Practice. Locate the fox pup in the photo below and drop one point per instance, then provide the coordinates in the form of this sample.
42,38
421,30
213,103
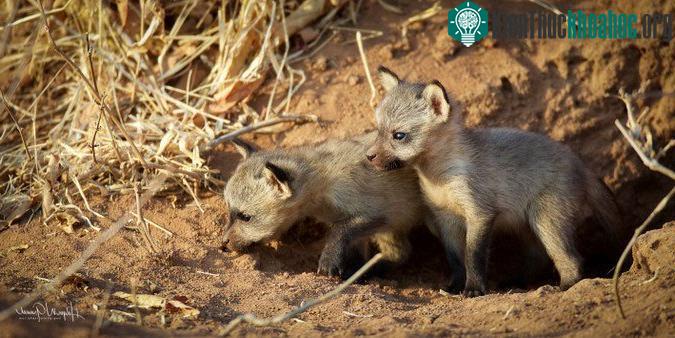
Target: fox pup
479,180
332,183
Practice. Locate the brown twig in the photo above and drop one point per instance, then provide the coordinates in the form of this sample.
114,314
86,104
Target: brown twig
92,71
651,163
100,314
140,221
373,91
10,110
253,320
259,125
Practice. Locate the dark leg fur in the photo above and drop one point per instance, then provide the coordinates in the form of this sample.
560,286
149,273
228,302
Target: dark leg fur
477,244
334,258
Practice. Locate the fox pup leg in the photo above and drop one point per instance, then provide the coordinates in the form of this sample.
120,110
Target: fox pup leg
478,232
451,230
333,261
553,224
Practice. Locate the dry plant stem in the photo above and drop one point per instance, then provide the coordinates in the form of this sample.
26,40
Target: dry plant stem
92,72
92,87
373,92
155,185
7,34
140,222
617,270
259,125
253,320
159,227
101,312
16,123
651,163
139,318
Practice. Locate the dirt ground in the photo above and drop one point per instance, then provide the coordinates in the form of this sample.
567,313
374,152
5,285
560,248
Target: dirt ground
555,87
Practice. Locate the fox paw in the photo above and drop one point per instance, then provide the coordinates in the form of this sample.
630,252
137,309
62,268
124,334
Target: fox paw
455,286
472,290
331,265
472,293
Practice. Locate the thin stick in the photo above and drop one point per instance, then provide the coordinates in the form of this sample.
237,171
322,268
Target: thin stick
373,91
259,125
649,162
617,270
159,227
155,185
253,320
140,221
84,198
101,312
16,123
92,71
139,318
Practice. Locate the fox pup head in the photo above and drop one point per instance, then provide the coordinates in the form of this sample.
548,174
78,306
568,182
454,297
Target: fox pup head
261,198
407,115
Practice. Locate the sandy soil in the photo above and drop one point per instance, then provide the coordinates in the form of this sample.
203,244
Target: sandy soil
553,87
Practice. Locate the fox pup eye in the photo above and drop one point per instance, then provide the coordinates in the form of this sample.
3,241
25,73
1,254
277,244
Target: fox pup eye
243,217
399,136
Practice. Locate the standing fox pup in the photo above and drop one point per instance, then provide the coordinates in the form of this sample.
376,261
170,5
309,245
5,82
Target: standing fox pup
478,179
332,183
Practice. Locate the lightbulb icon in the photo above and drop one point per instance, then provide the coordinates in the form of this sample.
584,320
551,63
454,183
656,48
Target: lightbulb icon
468,21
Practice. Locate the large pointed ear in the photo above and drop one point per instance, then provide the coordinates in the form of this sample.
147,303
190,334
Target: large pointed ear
388,79
279,179
437,97
244,148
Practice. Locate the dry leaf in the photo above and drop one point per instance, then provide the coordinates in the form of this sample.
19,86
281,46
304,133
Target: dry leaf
178,307
13,207
117,316
143,301
173,306
123,10
21,247
67,221
238,92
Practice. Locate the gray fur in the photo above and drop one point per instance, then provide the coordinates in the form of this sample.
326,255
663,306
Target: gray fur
477,179
332,183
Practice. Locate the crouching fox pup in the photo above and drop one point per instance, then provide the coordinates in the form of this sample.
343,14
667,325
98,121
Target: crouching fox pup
332,183
477,179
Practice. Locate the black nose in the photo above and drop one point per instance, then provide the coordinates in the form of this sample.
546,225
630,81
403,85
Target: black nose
370,157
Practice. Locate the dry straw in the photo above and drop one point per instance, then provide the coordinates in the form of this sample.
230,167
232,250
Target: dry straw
98,96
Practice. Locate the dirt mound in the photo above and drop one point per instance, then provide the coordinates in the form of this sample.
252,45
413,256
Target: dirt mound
653,251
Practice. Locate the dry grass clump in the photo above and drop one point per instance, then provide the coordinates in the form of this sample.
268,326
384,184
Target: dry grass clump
101,96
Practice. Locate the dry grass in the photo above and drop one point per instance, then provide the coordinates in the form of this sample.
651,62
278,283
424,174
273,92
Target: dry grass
97,97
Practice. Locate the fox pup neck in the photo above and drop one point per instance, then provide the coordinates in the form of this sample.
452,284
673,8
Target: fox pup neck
448,143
